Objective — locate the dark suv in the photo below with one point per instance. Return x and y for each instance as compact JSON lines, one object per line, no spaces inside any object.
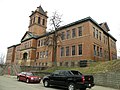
{"x":69,"y":78}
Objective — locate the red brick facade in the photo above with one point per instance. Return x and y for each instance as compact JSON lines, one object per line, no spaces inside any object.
{"x":84,"y":39}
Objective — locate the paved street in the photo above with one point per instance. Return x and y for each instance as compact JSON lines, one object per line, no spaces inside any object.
{"x":10,"y":83}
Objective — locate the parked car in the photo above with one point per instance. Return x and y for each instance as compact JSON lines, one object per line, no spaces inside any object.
{"x":69,"y":78}
{"x":28,"y":77}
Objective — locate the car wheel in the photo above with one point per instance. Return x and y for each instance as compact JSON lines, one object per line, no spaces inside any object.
{"x":27,"y":80}
{"x":18,"y":78}
{"x":71,"y":86}
{"x":46,"y":83}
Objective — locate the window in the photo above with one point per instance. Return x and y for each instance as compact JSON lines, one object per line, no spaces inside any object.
{"x":73,"y":50}
{"x":34,"y":20}
{"x":42,"y":42}
{"x":95,"y":50}
{"x":38,"y":20}
{"x":100,"y":35}
{"x":97,"y":34}
{"x":43,"y":22}
{"x":63,"y":36}
{"x":80,"y":31}
{"x":80,"y":49}
{"x":46,"y":54}
{"x":68,"y":34}
{"x":73,"y":33}
{"x":62,"y":51}
{"x":67,"y":51}
{"x":25,"y":55}
{"x":41,"y":54}
{"x":37,"y":56}
{"x":94,"y":32}
{"x":100,"y":52}
{"x":39,"y":43}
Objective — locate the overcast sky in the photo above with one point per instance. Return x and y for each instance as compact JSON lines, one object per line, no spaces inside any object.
{"x":14,"y":16}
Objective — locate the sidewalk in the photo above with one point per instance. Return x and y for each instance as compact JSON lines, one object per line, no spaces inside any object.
{"x":9,"y":76}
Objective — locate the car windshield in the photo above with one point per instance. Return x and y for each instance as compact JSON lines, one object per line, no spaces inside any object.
{"x":29,"y":74}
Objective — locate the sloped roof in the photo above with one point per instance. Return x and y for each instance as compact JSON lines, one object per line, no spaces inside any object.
{"x":28,"y":35}
{"x":39,"y":10}
{"x":88,"y":19}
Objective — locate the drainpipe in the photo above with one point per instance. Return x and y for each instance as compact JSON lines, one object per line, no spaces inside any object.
{"x":109,"y":48}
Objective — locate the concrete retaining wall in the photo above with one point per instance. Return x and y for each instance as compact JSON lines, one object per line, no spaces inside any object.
{"x":110,"y":79}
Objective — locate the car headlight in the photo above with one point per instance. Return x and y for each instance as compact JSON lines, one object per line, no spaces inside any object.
{"x":32,"y":78}
{"x":39,"y":78}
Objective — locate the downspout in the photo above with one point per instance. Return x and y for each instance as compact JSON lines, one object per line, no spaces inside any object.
{"x":109,"y":48}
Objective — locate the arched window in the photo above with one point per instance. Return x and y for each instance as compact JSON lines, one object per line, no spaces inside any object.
{"x":25,"y":56}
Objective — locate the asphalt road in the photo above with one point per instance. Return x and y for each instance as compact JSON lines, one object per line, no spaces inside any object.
{"x":10,"y":83}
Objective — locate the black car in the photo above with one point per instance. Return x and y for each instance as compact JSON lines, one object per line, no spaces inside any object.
{"x":69,"y":78}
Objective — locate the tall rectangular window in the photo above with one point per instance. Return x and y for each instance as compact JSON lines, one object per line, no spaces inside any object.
{"x":80,"y":31}
{"x":34,"y":20}
{"x":62,"y":51}
{"x":63,"y":36}
{"x":73,"y":50}
{"x":38,"y":20}
{"x":38,"y":42}
{"x":97,"y":34}
{"x":68,"y":34}
{"x":46,"y":54}
{"x":42,"y":42}
{"x":95,"y":50}
{"x":73,"y":33}
{"x":67,"y":51}
{"x":43,"y":22}
{"x":37,"y":56}
{"x":41,"y":54}
{"x":100,"y":36}
{"x":94,"y":32}
{"x":100,"y":52}
{"x":80,"y":49}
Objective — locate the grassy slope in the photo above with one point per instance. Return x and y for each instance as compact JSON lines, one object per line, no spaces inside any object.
{"x":93,"y":68}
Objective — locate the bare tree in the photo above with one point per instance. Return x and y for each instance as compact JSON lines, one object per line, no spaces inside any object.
{"x":55,"y":22}
{"x":2,"y":57}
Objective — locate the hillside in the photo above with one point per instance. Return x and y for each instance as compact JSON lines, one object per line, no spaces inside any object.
{"x":96,"y":67}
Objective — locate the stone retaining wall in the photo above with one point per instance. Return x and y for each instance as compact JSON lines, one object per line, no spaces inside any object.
{"x":110,"y":79}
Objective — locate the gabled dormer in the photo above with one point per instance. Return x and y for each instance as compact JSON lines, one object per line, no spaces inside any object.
{"x":105,"y":26}
{"x":38,"y":22}
{"x":28,"y":35}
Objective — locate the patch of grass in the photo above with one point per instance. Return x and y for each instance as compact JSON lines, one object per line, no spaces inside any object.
{"x":93,"y":68}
